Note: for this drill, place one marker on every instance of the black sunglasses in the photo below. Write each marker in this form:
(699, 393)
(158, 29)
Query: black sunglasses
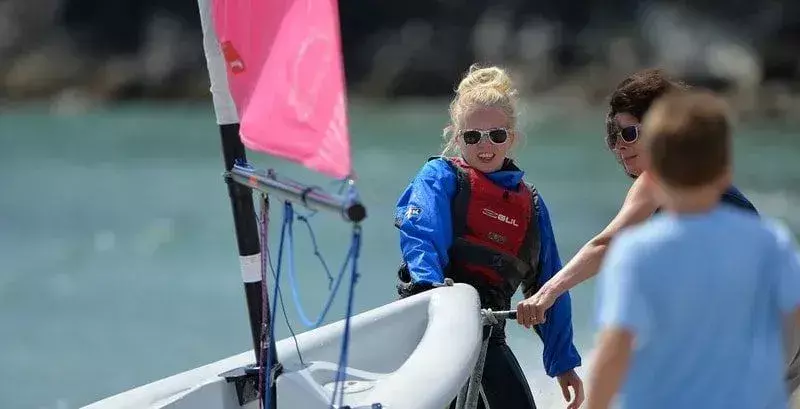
(497, 136)
(629, 134)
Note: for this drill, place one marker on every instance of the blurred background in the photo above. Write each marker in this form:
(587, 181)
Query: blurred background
(118, 263)
(96, 51)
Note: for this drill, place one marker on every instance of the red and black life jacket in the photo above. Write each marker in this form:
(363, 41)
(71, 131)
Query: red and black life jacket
(495, 237)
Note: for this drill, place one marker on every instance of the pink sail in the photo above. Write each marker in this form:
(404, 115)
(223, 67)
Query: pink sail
(285, 73)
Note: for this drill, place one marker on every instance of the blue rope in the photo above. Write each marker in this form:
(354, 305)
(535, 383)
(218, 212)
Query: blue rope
(265, 251)
(343, 354)
(352, 255)
(289, 215)
(304, 219)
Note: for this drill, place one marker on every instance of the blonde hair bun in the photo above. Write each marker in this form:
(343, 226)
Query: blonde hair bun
(481, 87)
(490, 77)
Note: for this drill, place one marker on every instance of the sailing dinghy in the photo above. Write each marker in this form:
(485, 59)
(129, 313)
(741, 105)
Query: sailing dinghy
(412, 353)
(277, 84)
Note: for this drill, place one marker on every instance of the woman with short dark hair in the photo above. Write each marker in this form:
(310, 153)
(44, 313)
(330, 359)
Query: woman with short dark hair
(628, 105)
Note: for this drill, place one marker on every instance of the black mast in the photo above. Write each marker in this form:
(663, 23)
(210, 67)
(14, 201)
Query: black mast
(248, 242)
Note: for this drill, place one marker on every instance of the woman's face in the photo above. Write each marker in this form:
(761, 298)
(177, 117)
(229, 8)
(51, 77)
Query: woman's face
(485, 138)
(626, 146)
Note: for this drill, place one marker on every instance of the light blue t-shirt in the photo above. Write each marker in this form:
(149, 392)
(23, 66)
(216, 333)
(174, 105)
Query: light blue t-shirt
(704, 296)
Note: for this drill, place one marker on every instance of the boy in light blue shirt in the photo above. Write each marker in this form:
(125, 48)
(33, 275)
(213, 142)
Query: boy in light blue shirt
(692, 301)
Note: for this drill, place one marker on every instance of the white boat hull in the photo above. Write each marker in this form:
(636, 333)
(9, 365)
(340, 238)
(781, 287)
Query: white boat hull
(412, 353)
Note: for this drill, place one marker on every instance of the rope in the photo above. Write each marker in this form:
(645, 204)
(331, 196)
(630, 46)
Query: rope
(352, 255)
(268, 365)
(304, 219)
(490, 318)
(264, 221)
(343, 355)
(289, 215)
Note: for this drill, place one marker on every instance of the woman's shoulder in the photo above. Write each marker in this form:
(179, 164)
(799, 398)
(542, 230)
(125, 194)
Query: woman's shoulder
(642, 190)
(640, 203)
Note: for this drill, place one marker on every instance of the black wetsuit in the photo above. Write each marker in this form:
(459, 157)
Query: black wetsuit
(503, 382)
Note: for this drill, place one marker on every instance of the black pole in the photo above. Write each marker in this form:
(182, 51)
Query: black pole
(247, 239)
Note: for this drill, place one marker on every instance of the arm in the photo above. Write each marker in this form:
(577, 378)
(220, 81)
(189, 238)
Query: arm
(559, 354)
(785, 264)
(423, 217)
(609, 367)
(639, 204)
(622, 317)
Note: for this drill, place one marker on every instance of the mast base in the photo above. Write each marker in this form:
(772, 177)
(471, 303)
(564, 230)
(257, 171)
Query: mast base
(245, 380)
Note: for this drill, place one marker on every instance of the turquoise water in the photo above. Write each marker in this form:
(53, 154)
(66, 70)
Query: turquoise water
(118, 264)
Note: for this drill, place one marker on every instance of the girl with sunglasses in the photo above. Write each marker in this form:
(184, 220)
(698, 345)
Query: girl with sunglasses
(469, 216)
(628, 105)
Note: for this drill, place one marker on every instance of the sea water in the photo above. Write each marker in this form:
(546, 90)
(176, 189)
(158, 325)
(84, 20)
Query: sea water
(118, 263)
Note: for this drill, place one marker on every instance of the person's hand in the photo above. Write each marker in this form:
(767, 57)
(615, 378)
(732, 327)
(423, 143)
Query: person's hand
(530, 311)
(571, 379)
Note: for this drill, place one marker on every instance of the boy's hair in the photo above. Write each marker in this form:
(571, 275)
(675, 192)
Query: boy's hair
(687, 136)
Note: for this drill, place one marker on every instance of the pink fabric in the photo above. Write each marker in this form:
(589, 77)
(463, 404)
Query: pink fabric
(286, 77)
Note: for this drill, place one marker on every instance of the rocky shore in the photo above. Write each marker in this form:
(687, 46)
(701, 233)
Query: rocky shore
(80, 54)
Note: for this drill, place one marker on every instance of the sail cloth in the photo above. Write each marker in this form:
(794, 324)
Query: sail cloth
(278, 64)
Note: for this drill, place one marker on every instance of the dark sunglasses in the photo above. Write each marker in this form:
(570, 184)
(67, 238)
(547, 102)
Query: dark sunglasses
(497, 136)
(629, 134)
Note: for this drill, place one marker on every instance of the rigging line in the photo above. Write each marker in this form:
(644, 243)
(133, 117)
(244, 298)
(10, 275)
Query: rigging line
(265, 251)
(283, 311)
(264, 247)
(305, 219)
(343, 355)
(268, 368)
(293, 280)
(353, 254)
